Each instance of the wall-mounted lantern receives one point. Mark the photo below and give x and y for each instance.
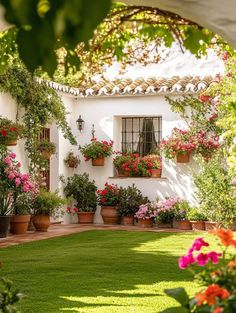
(80, 123)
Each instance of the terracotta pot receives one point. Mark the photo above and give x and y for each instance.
(198, 225)
(210, 225)
(110, 214)
(19, 224)
(164, 225)
(12, 142)
(183, 158)
(156, 172)
(4, 225)
(85, 217)
(31, 225)
(46, 155)
(184, 225)
(121, 173)
(127, 220)
(41, 222)
(98, 162)
(145, 223)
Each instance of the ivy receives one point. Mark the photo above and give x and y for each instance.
(41, 105)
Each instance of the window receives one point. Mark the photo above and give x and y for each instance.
(140, 134)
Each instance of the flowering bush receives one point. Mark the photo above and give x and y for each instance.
(206, 143)
(165, 209)
(146, 211)
(152, 161)
(9, 131)
(96, 149)
(180, 141)
(13, 183)
(218, 276)
(109, 196)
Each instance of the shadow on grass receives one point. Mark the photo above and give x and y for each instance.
(59, 272)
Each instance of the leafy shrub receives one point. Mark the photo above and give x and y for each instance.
(109, 196)
(48, 203)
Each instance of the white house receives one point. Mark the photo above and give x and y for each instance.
(112, 107)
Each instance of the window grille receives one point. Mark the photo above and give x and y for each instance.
(141, 134)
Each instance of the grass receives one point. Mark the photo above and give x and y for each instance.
(98, 272)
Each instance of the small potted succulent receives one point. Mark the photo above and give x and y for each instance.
(130, 199)
(10, 132)
(154, 165)
(72, 160)
(108, 199)
(180, 144)
(97, 151)
(197, 219)
(46, 204)
(181, 210)
(83, 190)
(145, 215)
(47, 149)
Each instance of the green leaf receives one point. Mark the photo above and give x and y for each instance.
(194, 39)
(179, 294)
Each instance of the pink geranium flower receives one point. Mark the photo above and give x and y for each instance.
(17, 182)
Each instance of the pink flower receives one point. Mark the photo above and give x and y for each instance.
(19, 164)
(186, 260)
(202, 259)
(17, 181)
(214, 256)
(11, 176)
(25, 177)
(198, 244)
(26, 188)
(12, 155)
(7, 160)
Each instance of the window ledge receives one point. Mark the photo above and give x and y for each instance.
(137, 177)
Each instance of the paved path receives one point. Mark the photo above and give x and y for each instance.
(57, 230)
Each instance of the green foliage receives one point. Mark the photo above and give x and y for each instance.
(181, 210)
(196, 214)
(216, 192)
(9, 297)
(48, 146)
(41, 105)
(130, 199)
(48, 203)
(44, 25)
(82, 190)
(23, 204)
(96, 149)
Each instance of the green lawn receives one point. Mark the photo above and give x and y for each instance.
(98, 271)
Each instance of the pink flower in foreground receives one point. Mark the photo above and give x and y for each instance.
(11, 176)
(12, 155)
(214, 256)
(186, 260)
(17, 182)
(7, 160)
(202, 259)
(198, 244)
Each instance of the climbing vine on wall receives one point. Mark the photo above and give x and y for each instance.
(41, 106)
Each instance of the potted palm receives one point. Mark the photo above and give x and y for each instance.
(46, 204)
(97, 151)
(108, 199)
(47, 149)
(10, 132)
(197, 219)
(130, 199)
(72, 160)
(13, 186)
(83, 190)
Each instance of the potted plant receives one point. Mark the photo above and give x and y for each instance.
(165, 212)
(47, 149)
(154, 165)
(130, 199)
(122, 162)
(21, 214)
(10, 132)
(13, 185)
(197, 219)
(83, 191)
(46, 204)
(72, 160)
(97, 151)
(181, 210)
(108, 199)
(145, 215)
(180, 144)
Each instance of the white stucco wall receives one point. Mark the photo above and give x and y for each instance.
(105, 114)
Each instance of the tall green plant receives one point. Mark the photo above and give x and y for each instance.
(216, 191)
(41, 105)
